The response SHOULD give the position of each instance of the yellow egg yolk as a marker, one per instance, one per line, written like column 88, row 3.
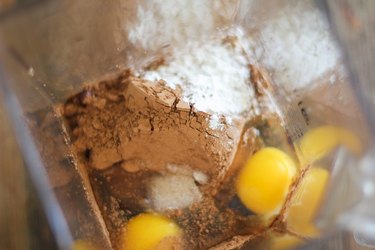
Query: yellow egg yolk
column 319, row 142
column 285, row 242
column 306, row 200
column 82, row 245
column 146, row 231
column 264, row 181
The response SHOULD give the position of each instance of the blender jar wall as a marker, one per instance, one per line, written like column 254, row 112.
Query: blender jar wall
column 50, row 49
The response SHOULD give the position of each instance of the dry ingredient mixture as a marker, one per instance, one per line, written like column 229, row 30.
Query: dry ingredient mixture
column 172, row 137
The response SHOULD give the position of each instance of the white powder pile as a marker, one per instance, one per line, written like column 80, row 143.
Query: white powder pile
column 297, row 46
column 214, row 77
column 173, row 192
column 161, row 22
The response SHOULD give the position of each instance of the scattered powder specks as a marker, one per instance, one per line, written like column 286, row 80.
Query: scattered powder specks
column 215, row 122
column 332, row 79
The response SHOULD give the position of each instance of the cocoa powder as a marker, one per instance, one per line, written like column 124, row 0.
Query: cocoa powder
column 128, row 131
column 145, row 125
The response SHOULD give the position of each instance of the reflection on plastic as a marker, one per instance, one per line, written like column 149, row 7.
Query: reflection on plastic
column 364, row 239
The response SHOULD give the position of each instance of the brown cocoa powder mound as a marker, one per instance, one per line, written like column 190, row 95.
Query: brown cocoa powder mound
column 131, row 119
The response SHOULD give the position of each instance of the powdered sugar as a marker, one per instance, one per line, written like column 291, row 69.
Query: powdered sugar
column 297, row 46
column 214, row 77
column 161, row 22
column 294, row 45
column 170, row 192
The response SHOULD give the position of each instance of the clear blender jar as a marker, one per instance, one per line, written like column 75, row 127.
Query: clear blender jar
column 50, row 48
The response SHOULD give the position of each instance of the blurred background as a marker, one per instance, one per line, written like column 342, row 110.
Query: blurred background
column 22, row 221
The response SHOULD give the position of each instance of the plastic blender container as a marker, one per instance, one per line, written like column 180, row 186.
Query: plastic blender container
column 50, row 48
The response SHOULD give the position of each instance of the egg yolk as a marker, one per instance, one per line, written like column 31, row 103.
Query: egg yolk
column 285, row 242
column 306, row 201
column 264, row 181
column 147, row 230
column 82, row 245
column 320, row 141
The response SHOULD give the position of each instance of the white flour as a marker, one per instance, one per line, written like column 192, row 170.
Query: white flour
column 214, row 77
column 296, row 46
column 161, row 22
